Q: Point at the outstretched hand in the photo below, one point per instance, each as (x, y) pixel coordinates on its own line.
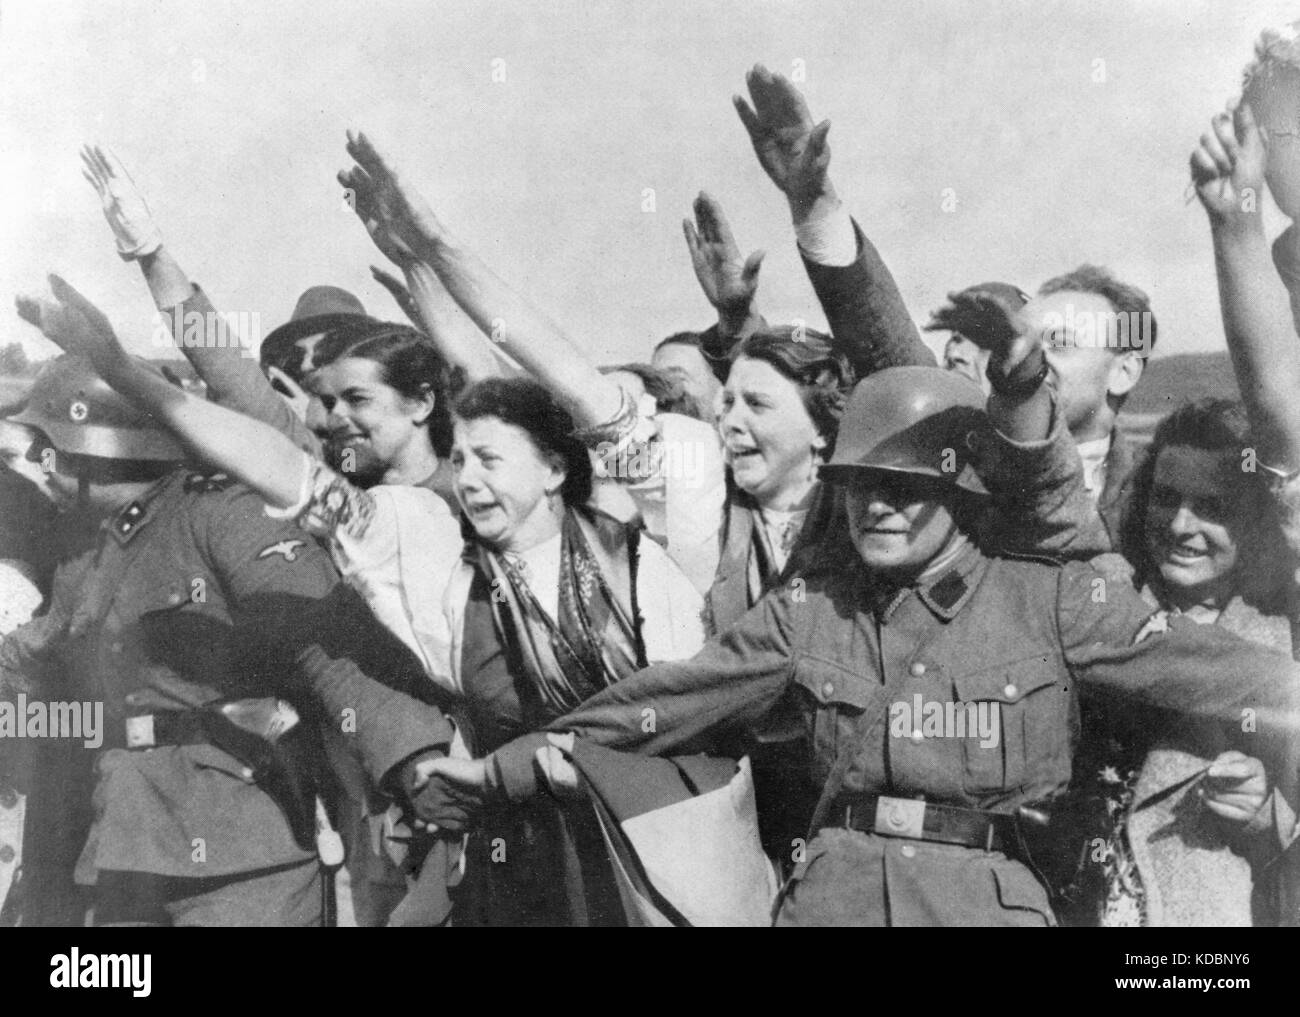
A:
(729, 282)
(789, 145)
(1228, 168)
(990, 316)
(125, 209)
(72, 322)
(398, 219)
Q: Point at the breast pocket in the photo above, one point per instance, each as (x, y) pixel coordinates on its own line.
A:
(1014, 721)
(836, 697)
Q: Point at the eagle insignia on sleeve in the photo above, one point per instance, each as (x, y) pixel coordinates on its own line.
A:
(288, 549)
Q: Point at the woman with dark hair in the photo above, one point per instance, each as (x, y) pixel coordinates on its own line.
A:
(553, 602)
(531, 606)
(386, 391)
(1203, 543)
(780, 410)
(888, 657)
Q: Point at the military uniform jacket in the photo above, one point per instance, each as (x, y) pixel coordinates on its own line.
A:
(183, 602)
(1023, 636)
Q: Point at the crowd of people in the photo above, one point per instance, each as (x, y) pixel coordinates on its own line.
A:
(404, 624)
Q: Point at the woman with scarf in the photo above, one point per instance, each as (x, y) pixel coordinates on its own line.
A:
(529, 606)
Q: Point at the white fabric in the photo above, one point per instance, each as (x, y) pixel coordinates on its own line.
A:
(702, 855)
(19, 599)
(541, 568)
(398, 546)
(682, 504)
(829, 238)
(1093, 454)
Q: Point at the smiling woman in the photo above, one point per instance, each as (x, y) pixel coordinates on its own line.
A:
(386, 392)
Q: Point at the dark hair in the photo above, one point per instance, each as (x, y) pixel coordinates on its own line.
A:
(530, 407)
(408, 363)
(284, 354)
(680, 339)
(1126, 299)
(805, 356)
(668, 394)
(1213, 425)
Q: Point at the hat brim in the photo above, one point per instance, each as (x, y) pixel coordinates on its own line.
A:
(301, 328)
(846, 473)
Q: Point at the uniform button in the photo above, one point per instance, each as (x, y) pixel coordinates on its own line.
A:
(174, 598)
(908, 851)
(917, 735)
(6, 854)
(247, 774)
(828, 689)
(1010, 691)
(917, 669)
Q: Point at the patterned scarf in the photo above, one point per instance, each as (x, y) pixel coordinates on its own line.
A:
(593, 644)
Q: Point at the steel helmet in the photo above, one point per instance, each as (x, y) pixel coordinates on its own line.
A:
(918, 420)
(82, 415)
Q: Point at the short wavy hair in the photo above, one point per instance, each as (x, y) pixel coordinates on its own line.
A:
(666, 391)
(806, 356)
(1123, 297)
(530, 407)
(408, 362)
(1213, 425)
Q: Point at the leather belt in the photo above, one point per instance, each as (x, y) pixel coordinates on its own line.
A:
(917, 819)
(166, 727)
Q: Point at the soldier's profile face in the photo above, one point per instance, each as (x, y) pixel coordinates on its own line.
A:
(899, 522)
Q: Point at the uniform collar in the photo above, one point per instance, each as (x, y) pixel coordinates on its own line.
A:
(944, 594)
(132, 517)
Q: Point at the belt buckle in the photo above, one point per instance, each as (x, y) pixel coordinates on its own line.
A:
(900, 817)
(139, 732)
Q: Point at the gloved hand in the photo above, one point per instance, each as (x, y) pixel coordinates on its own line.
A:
(125, 209)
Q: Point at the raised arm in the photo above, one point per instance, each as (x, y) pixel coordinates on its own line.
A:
(247, 449)
(729, 281)
(863, 306)
(527, 335)
(422, 298)
(1228, 169)
(219, 358)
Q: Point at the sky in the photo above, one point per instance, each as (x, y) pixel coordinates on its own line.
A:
(565, 140)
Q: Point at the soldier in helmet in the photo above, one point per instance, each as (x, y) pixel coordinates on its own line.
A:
(211, 634)
(938, 685)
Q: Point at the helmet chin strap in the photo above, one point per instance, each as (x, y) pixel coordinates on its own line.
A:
(83, 493)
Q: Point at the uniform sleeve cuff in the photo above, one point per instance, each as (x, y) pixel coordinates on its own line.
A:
(514, 767)
(1054, 430)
